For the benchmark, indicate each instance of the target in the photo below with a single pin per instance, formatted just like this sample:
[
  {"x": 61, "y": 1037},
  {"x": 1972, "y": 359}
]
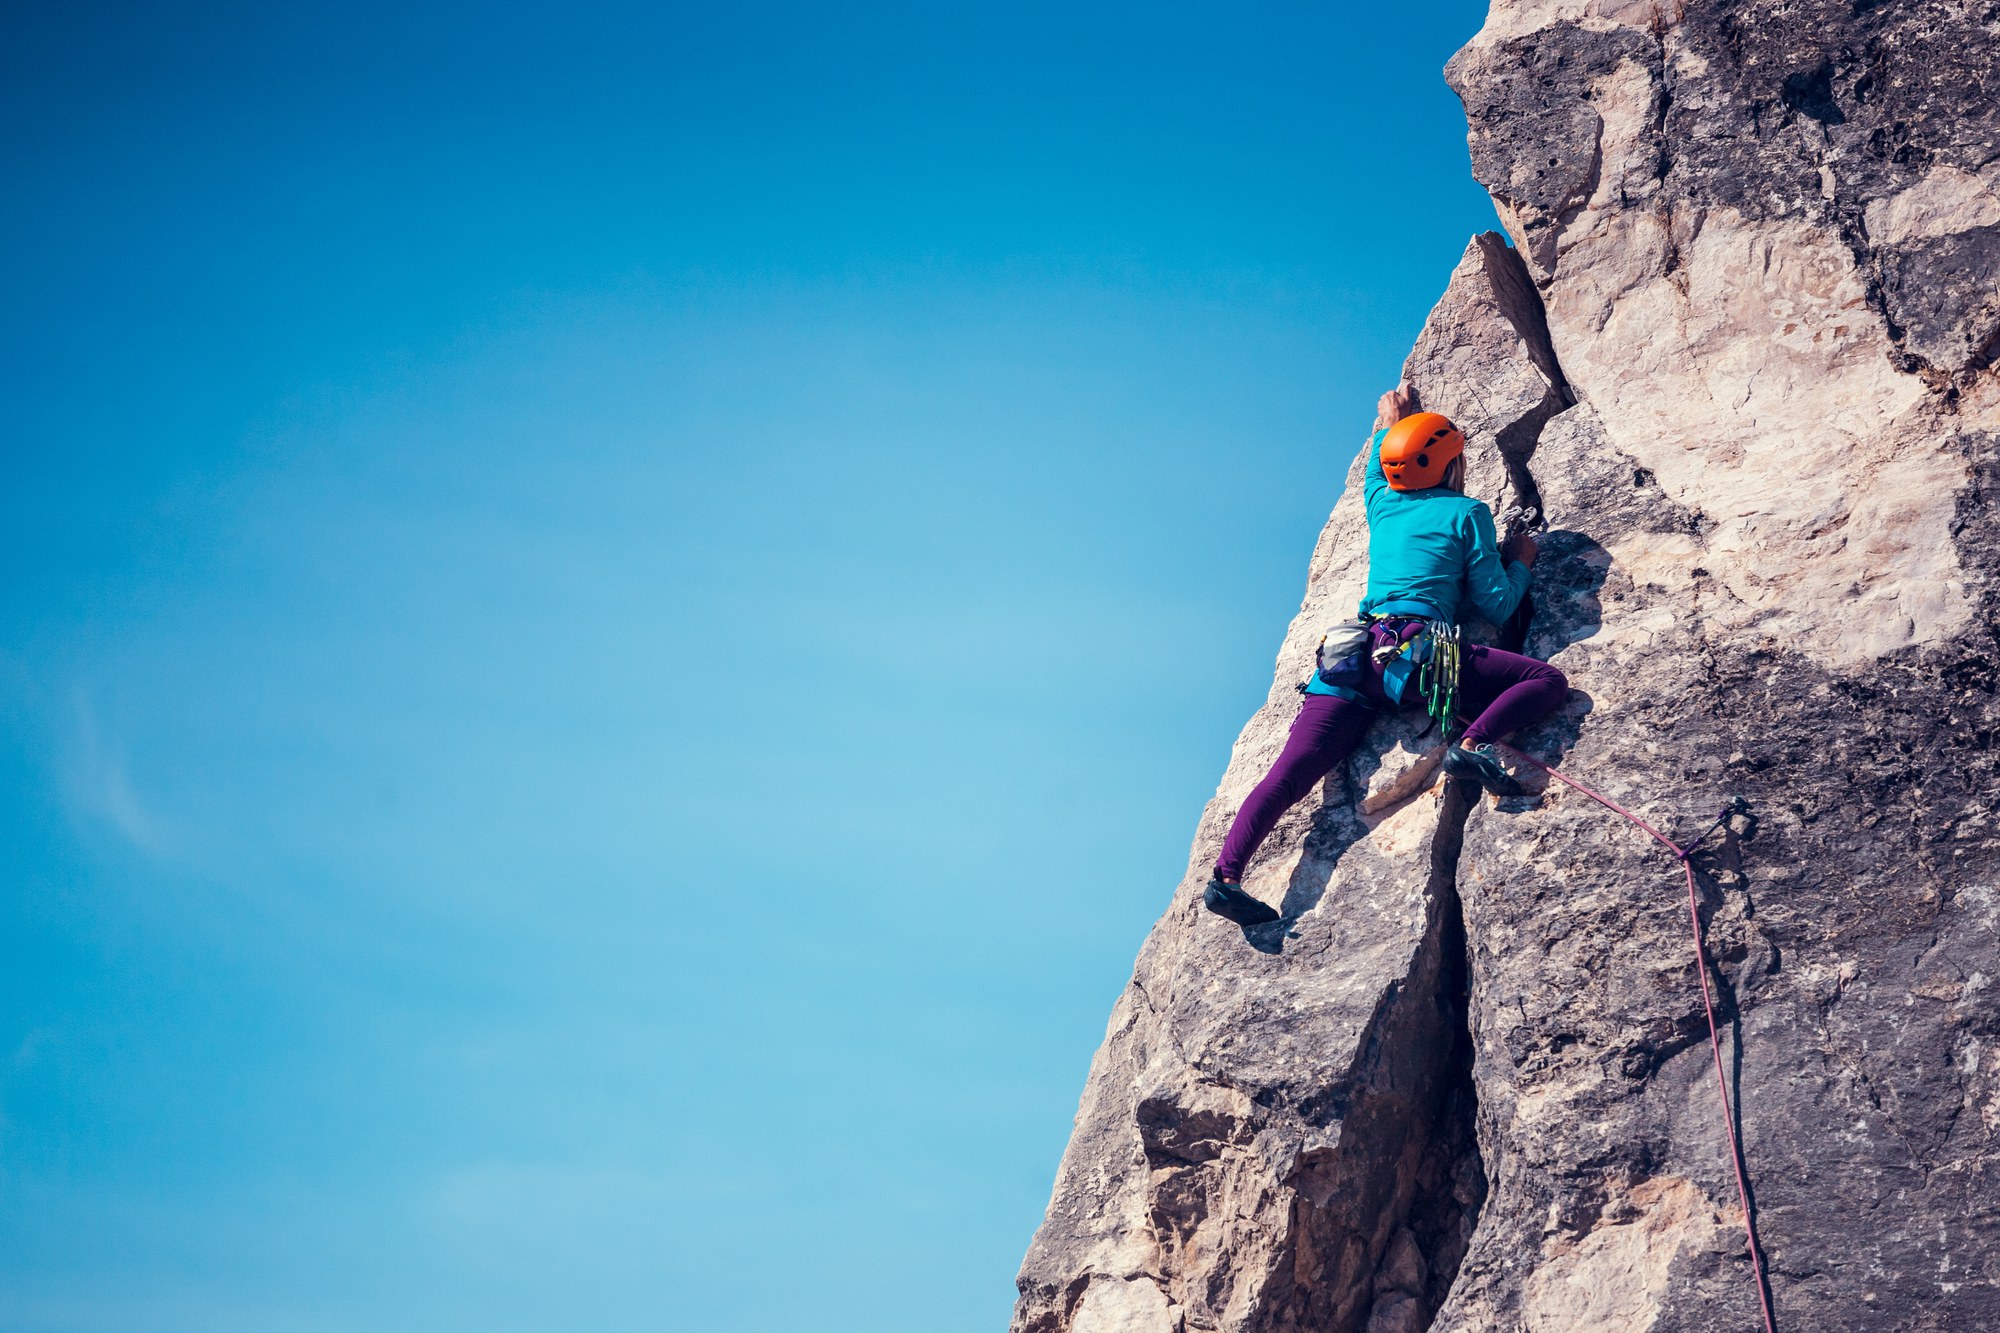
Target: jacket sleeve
[
  {"x": 1374, "y": 485},
  {"x": 1495, "y": 588}
]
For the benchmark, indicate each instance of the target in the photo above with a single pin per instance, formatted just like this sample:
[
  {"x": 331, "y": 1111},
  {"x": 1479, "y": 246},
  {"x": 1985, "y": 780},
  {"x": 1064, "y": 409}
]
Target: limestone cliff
[{"x": 1741, "y": 352}]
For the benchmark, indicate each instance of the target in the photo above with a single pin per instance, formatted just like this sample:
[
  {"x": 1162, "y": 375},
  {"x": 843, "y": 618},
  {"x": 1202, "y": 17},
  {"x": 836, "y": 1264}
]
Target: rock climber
[{"x": 1432, "y": 552}]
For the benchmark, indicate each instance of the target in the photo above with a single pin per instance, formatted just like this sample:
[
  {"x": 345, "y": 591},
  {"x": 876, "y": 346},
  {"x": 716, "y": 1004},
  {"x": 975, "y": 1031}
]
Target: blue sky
[{"x": 618, "y": 618}]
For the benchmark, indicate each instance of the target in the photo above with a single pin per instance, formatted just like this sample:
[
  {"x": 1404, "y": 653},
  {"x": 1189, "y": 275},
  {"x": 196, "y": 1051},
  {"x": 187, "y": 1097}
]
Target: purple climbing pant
[{"x": 1504, "y": 691}]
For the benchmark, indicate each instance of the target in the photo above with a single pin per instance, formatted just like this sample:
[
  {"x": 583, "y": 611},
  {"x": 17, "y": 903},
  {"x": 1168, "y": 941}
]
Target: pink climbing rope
[{"x": 1685, "y": 857}]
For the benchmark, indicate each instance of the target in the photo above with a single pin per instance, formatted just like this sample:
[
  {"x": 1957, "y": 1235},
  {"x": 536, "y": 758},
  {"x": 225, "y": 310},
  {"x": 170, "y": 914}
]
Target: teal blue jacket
[{"x": 1436, "y": 548}]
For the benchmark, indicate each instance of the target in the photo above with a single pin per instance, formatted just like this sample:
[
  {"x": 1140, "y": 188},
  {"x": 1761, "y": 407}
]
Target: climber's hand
[
  {"x": 1523, "y": 547},
  {"x": 1394, "y": 405}
]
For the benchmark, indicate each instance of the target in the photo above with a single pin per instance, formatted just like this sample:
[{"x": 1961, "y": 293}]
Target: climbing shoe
[
  {"x": 1481, "y": 767},
  {"x": 1229, "y": 900}
]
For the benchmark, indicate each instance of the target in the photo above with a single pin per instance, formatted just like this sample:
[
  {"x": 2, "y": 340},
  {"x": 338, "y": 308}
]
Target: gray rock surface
[{"x": 1742, "y": 356}]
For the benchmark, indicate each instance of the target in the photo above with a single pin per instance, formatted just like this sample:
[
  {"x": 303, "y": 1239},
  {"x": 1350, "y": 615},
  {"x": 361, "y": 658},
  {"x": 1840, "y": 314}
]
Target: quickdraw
[{"x": 1439, "y": 677}]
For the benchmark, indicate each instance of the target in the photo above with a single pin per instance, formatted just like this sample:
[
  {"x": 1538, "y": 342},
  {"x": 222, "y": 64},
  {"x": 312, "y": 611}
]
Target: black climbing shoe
[
  {"x": 1481, "y": 767},
  {"x": 1230, "y": 901}
]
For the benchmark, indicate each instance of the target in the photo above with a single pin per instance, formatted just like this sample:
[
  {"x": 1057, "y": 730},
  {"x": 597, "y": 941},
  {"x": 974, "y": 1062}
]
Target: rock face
[{"x": 1741, "y": 352}]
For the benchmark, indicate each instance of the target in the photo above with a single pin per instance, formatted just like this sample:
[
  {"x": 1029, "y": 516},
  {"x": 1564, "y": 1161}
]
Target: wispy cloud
[{"x": 97, "y": 783}]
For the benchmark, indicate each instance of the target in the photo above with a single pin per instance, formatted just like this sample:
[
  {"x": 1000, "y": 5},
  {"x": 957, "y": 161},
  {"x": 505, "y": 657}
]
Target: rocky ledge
[{"x": 1739, "y": 346}]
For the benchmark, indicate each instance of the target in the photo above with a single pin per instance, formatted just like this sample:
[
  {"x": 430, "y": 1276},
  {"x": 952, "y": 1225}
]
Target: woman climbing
[{"x": 1431, "y": 551}]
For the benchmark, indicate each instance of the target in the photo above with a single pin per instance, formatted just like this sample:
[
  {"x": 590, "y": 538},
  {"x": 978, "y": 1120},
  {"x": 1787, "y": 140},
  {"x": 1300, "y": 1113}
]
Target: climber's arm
[
  {"x": 1392, "y": 407},
  {"x": 1374, "y": 485},
  {"x": 1495, "y": 586}
]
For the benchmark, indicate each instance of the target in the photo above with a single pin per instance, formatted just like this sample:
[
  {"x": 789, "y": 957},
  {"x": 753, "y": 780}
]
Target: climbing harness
[
  {"x": 1427, "y": 659},
  {"x": 1685, "y": 855}
]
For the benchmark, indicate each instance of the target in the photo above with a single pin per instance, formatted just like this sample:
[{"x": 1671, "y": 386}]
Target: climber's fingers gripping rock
[{"x": 1394, "y": 405}]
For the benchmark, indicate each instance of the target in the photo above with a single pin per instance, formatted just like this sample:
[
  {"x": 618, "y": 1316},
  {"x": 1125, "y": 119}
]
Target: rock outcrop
[{"x": 1741, "y": 352}]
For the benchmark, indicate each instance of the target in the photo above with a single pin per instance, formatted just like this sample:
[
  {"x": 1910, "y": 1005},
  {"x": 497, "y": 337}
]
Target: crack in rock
[{"x": 1279, "y": 1133}]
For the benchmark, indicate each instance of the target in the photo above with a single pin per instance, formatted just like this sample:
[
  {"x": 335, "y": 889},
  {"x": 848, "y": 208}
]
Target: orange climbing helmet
[{"x": 1418, "y": 449}]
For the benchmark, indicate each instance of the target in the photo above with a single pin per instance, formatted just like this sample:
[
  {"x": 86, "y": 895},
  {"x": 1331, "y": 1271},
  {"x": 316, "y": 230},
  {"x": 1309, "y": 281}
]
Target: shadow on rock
[
  {"x": 1551, "y": 739},
  {"x": 1569, "y": 575}
]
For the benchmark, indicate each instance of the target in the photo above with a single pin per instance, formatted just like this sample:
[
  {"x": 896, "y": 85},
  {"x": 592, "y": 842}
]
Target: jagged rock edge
[{"x": 1519, "y": 300}]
